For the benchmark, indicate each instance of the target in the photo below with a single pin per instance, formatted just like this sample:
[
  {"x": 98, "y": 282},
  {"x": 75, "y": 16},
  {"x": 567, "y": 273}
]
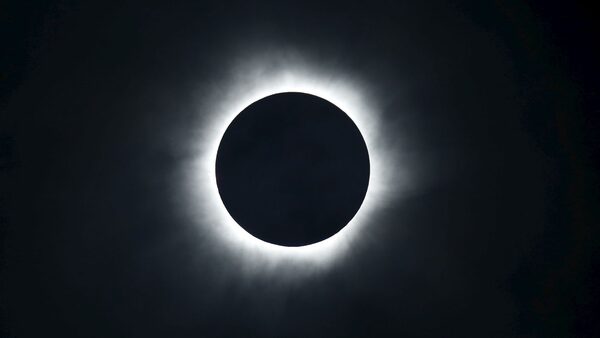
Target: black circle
[{"x": 292, "y": 169}]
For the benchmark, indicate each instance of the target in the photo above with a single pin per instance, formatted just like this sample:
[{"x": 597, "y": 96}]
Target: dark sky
[{"x": 490, "y": 106}]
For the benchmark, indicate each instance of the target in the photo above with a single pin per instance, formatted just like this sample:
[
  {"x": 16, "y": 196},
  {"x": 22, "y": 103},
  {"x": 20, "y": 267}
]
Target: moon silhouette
[{"x": 292, "y": 169}]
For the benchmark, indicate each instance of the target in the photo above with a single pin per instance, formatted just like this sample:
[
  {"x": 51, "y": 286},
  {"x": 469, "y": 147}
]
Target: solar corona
[{"x": 255, "y": 83}]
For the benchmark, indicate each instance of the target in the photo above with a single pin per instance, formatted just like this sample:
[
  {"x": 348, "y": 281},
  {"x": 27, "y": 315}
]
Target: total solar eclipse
[{"x": 292, "y": 169}]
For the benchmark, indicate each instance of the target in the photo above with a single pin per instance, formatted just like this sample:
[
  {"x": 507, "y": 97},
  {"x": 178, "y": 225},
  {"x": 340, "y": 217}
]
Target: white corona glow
[{"x": 251, "y": 82}]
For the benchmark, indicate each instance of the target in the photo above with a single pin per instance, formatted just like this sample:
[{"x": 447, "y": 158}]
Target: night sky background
[{"x": 495, "y": 105}]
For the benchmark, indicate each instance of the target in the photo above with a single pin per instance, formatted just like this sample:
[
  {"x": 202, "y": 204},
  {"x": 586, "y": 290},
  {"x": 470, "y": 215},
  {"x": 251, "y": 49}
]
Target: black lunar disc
[{"x": 292, "y": 169}]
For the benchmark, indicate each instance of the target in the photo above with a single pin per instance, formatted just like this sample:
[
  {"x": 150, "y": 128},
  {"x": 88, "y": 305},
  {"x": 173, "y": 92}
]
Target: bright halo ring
[{"x": 253, "y": 84}]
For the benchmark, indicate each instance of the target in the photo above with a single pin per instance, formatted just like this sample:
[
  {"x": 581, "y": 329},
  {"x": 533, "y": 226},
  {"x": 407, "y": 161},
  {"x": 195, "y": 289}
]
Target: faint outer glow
[{"x": 252, "y": 81}]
